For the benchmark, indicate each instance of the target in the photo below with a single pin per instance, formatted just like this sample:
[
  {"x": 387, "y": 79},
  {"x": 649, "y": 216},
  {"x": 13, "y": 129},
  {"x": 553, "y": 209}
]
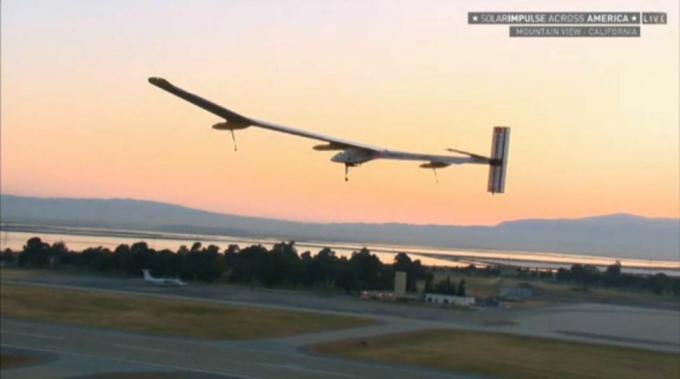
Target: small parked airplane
[
  {"x": 162, "y": 281},
  {"x": 354, "y": 154}
]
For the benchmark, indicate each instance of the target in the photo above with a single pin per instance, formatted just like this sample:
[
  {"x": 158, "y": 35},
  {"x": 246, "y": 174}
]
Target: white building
[
  {"x": 400, "y": 284},
  {"x": 435, "y": 298}
]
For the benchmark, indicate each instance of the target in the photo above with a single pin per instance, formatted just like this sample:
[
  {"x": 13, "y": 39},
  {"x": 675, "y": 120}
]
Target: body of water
[{"x": 81, "y": 238}]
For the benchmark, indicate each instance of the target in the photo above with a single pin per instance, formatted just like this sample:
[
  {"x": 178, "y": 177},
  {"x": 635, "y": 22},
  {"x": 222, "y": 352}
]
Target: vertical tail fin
[
  {"x": 499, "y": 159},
  {"x": 147, "y": 275}
]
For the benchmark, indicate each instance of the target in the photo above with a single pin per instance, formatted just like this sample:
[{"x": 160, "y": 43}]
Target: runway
[{"x": 83, "y": 351}]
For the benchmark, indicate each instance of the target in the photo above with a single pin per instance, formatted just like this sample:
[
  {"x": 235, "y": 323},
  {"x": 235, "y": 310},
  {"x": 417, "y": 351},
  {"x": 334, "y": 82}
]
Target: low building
[
  {"x": 377, "y": 295},
  {"x": 435, "y": 298},
  {"x": 389, "y": 296}
]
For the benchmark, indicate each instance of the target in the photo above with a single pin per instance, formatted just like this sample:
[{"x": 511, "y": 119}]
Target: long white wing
[
  {"x": 339, "y": 142},
  {"x": 235, "y": 118},
  {"x": 200, "y": 102}
]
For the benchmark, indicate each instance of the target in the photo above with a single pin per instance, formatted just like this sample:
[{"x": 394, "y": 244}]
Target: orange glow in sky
[{"x": 594, "y": 121}]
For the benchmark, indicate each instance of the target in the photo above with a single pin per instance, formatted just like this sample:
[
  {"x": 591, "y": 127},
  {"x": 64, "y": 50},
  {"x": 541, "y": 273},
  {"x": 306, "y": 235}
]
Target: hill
[{"x": 619, "y": 235}]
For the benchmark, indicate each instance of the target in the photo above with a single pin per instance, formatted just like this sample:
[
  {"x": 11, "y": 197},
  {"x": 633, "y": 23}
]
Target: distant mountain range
[{"x": 620, "y": 235}]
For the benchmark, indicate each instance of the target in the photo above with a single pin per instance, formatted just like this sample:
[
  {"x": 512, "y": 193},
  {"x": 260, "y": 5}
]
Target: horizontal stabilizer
[{"x": 477, "y": 157}]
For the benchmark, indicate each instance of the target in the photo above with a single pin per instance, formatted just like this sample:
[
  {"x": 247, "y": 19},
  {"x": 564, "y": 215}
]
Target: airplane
[
  {"x": 162, "y": 281},
  {"x": 353, "y": 154}
]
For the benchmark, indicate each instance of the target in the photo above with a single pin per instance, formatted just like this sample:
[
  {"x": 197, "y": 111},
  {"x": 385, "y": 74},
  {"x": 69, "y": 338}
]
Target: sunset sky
[{"x": 595, "y": 124}]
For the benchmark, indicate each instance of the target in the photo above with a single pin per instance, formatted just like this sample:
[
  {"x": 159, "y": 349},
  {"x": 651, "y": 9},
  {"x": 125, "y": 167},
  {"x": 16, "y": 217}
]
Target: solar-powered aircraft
[{"x": 353, "y": 154}]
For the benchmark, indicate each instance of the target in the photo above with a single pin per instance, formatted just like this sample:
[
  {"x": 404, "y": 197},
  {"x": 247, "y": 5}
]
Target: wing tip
[{"x": 159, "y": 82}]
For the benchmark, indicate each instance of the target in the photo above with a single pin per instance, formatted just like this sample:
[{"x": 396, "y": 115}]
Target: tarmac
[{"x": 80, "y": 352}]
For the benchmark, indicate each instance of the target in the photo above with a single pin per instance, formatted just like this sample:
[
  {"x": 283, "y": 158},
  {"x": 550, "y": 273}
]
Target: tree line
[
  {"x": 613, "y": 277},
  {"x": 281, "y": 265},
  {"x": 587, "y": 275}
]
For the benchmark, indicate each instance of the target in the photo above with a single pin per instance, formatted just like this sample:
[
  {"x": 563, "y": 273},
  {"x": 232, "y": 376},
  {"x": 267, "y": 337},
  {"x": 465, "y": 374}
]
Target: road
[{"x": 77, "y": 351}]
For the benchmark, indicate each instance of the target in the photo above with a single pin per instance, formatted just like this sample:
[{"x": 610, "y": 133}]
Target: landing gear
[
  {"x": 233, "y": 138},
  {"x": 436, "y": 178},
  {"x": 346, "y": 172}
]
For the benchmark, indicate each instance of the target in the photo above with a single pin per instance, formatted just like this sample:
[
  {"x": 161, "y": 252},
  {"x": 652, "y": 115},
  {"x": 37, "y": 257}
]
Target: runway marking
[
  {"x": 34, "y": 335},
  {"x": 135, "y": 347},
  {"x": 132, "y": 361},
  {"x": 306, "y": 369}
]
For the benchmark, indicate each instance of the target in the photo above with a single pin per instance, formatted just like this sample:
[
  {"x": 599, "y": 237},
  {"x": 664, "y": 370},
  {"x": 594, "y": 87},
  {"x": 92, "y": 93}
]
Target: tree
[
  {"x": 247, "y": 264},
  {"x": 612, "y": 275},
  {"x": 205, "y": 264},
  {"x": 8, "y": 256},
  {"x": 165, "y": 263},
  {"x": 140, "y": 258},
  {"x": 213, "y": 264},
  {"x": 615, "y": 269},
  {"x": 413, "y": 269},
  {"x": 563, "y": 274},
  {"x": 585, "y": 274},
  {"x": 367, "y": 269},
  {"x": 660, "y": 283},
  {"x": 57, "y": 252},
  {"x": 445, "y": 287},
  {"x": 345, "y": 277},
  {"x": 282, "y": 264},
  {"x": 460, "y": 291},
  {"x": 98, "y": 259},
  {"x": 122, "y": 259},
  {"x": 35, "y": 253},
  {"x": 196, "y": 247},
  {"x": 323, "y": 267},
  {"x": 675, "y": 287}
]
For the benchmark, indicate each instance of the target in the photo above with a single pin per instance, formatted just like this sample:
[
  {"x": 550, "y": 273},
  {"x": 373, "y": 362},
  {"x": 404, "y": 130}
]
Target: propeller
[{"x": 434, "y": 166}]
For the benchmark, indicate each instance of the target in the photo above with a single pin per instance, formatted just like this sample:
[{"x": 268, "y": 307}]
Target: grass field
[
  {"x": 506, "y": 356},
  {"x": 12, "y": 360},
  {"x": 166, "y": 317}
]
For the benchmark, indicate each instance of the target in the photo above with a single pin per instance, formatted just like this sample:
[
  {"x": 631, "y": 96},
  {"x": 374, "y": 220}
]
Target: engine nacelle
[
  {"x": 226, "y": 125},
  {"x": 434, "y": 165},
  {"x": 328, "y": 147}
]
